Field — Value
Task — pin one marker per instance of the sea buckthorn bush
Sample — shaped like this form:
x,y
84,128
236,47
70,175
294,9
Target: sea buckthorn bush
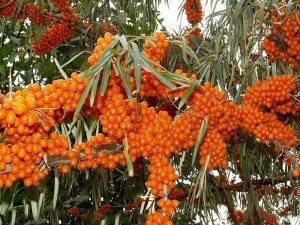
x,y
104,119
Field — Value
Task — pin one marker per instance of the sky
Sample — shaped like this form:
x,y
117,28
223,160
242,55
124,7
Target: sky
x,y
170,14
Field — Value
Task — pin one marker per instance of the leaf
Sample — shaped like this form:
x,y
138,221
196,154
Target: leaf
x,y
200,136
123,42
2,69
105,55
137,66
6,50
159,76
56,188
127,158
13,217
83,97
105,77
117,219
73,58
124,79
188,93
94,90
78,199
176,78
2,137
37,221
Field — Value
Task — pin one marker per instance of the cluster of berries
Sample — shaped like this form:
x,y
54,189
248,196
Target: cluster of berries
x,y
8,8
282,42
260,108
59,31
102,44
61,26
155,48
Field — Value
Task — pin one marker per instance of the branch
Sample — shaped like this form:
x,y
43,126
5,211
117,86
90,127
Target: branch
x,y
257,183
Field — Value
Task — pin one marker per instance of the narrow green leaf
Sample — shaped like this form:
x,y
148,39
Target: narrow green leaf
x,y
136,65
56,188
41,202
184,50
73,58
106,55
13,216
105,77
103,59
124,79
176,78
117,219
159,76
123,41
83,97
34,209
79,199
94,90
37,222
127,158
199,139
188,93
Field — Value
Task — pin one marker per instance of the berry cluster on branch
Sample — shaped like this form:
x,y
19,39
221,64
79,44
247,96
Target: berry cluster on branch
x,y
193,10
59,27
282,40
28,117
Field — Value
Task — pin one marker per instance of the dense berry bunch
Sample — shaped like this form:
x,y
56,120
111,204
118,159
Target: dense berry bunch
x,y
102,44
28,117
61,4
270,93
35,15
193,10
116,112
62,27
161,173
23,159
155,49
168,206
260,106
57,33
9,9
283,42
157,218
151,86
51,38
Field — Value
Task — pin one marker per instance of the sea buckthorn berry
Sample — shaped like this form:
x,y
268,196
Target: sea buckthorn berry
x,y
281,42
157,218
155,49
296,172
102,44
193,10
